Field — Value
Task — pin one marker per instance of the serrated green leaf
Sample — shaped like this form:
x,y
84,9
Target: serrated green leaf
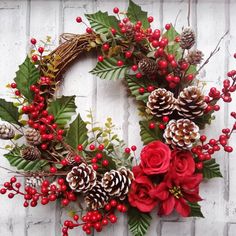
x,y
149,135
27,75
101,22
134,86
62,109
135,13
211,169
195,210
8,112
15,159
139,222
78,133
108,69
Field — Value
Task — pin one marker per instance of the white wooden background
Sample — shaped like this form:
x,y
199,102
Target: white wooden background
x,y
20,20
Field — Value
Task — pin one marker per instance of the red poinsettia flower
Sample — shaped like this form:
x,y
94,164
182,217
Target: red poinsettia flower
x,y
175,193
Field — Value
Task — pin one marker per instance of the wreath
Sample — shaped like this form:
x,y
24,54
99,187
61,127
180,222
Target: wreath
x,y
86,163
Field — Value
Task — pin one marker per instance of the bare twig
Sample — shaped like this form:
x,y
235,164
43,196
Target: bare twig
x,y
176,18
217,48
189,12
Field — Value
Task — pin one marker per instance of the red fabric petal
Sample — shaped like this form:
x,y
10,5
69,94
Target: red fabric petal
x,y
167,206
182,207
161,192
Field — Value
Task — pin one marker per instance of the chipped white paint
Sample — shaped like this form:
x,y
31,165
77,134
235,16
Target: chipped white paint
x,y
19,20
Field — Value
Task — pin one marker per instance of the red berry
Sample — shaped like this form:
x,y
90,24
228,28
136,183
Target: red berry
x,y
105,46
80,147
60,132
128,54
44,146
105,222
133,148
203,138
234,55
78,19
134,67
105,162
94,160
141,90
101,147
108,207
76,217
99,155
167,26
150,88
13,180
34,58
33,41
92,147
53,169
162,126
155,43
228,148
116,10
11,195
127,150
77,159
64,162
190,77
17,93
13,85
199,165
95,166
113,31
152,125
89,30
120,63
165,119
40,50
65,202
138,75
113,203
150,19
100,58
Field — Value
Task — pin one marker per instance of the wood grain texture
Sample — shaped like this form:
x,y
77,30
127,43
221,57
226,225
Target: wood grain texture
x,y
22,19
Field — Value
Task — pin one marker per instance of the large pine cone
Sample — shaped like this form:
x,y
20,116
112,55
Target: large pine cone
x,y
161,102
117,182
97,197
195,57
130,32
182,133
187,38
191,103
6,132
30,153
82,178
33,136
147,66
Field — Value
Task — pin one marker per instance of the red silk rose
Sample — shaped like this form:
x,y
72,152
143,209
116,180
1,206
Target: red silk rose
x,y
155,158
139,194
175,193
182,163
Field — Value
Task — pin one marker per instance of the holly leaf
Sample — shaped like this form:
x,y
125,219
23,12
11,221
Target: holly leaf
x,y
78,133
195,210
173,47
62,109
149,135
134,86
15,159
135,13
27,75
101,22
108,69
211,169
138,222
8,112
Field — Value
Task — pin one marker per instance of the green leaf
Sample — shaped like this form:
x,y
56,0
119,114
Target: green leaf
x,y
205,119
101,22
62,109
27,75
149,135
135,13
134,86
173,47
139,222
108,69
15,159
191,70
78,133
8,112
195,210
211,169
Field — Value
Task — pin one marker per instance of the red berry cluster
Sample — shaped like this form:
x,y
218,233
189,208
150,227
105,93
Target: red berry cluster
x,y
208,148
48,192
128,150
35,57
95,219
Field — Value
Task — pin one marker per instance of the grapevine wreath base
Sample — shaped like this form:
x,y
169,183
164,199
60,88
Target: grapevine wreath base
x,y
80,161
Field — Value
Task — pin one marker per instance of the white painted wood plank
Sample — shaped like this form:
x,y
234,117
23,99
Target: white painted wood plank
x,y
231,229
176,228
13,48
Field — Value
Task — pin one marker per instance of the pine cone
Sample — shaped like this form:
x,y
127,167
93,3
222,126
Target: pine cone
x,y
191,103
96,198
82,178
161,102
6,132
30,153
33,136
195,57
130,32
70,158
117,182
187,38
147,66
34,182
181,133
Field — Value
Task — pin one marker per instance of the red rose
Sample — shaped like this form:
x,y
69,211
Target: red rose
x,y
182,163
155,158
139,194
